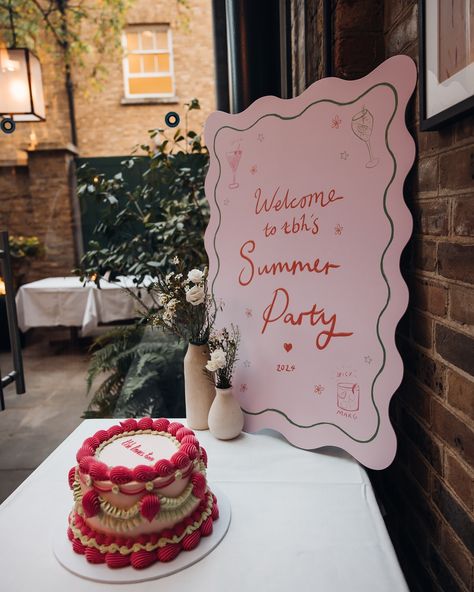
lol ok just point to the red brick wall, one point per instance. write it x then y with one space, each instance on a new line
430 485
428 490
38 200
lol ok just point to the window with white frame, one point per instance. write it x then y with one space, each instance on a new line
148 61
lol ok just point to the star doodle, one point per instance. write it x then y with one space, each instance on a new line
248 313
367 359
243 388
344 155
247 364
318 389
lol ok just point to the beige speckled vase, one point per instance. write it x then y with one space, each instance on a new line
198 387
226 419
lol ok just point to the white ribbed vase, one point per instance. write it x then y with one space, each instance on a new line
198 387
226 419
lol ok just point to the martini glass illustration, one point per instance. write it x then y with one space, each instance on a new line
233 158
362 126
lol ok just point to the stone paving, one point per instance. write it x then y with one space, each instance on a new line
35 423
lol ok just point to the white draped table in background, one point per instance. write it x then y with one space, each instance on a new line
65 301
301 520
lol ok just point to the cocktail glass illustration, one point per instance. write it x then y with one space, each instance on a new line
348 396
233 158
362 126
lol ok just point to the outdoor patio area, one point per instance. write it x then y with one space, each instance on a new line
35 423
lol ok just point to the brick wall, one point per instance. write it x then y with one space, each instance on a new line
105 127
38 200
428 490
35 198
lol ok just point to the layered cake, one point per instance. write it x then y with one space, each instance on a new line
140 494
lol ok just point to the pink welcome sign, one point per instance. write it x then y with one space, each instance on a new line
307 226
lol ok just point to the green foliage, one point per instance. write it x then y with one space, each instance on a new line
65 23
23 247
143 371
141 228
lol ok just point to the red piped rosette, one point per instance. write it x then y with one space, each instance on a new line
94 473
166 546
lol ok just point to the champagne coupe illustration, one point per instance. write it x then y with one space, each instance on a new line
233 158
362 126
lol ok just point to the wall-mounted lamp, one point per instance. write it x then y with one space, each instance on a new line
21 97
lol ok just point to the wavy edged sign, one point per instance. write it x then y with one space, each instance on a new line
307 226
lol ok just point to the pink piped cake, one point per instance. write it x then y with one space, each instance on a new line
140 494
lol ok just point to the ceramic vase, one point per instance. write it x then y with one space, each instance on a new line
226 419
198 387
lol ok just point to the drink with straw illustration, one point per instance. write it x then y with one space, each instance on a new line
233 158
362 126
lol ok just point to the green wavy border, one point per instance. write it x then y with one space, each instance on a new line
284 118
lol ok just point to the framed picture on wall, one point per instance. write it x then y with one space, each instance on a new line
446 35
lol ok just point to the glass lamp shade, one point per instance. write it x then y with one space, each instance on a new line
21 85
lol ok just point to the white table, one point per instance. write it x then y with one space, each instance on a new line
65 301
301 520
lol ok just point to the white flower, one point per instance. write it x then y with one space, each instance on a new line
195 295
195 276
162 299
175 260
168 316
171 305
211 366
218 357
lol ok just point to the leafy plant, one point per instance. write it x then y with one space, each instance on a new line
23 247
141 229
144 374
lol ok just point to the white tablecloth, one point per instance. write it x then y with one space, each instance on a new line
301 520
65 301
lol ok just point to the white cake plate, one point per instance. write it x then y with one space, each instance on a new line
78 564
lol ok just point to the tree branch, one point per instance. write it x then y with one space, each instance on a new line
45 16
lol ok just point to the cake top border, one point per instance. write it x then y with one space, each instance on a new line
188 451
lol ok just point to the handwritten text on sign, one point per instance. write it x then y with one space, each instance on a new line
307 226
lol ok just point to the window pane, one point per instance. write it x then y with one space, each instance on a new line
134 64
161 40
163 60
148 38
149 63
132 41
144 86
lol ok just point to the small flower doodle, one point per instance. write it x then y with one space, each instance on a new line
248 313
247 364
260 137
344 155
336 122
318 389
338 229
253 169
243 388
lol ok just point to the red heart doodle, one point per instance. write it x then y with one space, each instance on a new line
288 346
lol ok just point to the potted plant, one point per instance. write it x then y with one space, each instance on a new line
226 419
